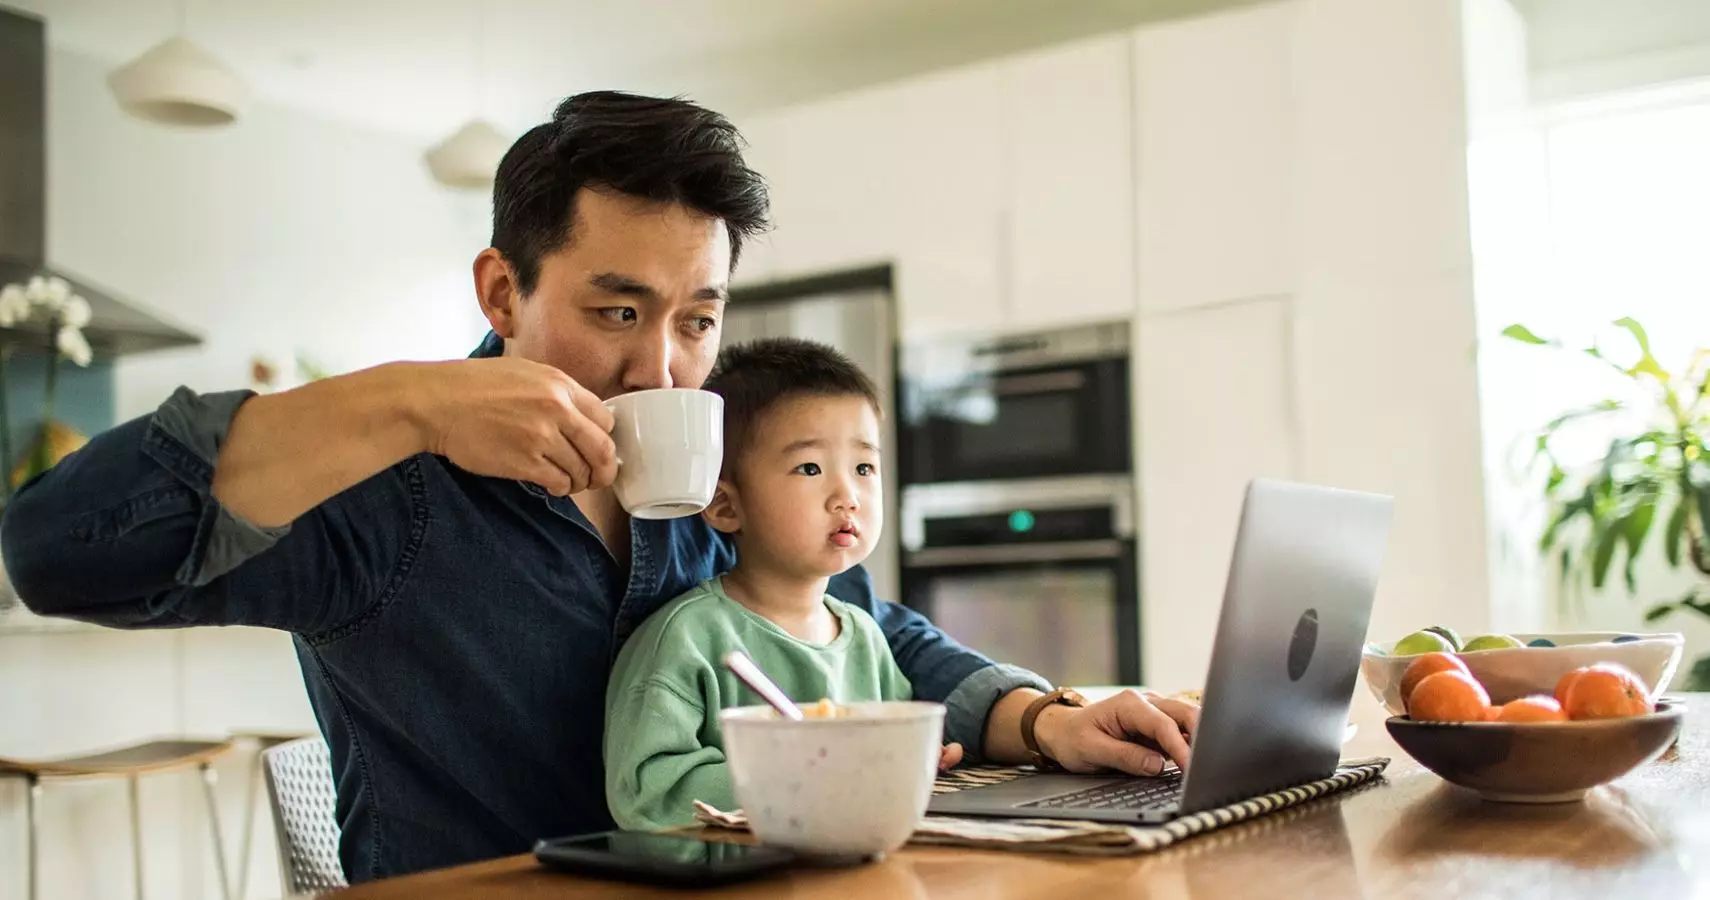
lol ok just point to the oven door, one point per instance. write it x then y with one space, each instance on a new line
1069 612
1020 423
1041 574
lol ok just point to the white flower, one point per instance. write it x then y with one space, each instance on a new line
14 305
73 346
36 289
76 312
58 292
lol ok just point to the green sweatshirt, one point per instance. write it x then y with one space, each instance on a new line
664 747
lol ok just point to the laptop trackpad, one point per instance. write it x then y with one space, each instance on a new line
1003 799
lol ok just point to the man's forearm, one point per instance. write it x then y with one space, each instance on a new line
288 453
1003 741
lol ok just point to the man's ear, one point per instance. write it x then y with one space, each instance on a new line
496 287
725 510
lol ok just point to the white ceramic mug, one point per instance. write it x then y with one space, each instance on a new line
670 445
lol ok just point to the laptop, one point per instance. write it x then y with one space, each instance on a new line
1283 668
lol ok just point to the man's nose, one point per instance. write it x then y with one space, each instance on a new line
648 365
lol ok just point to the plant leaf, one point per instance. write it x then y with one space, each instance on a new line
1699 678
1659 612
1673 532
1603 551
1634 528
1647 363
1522 334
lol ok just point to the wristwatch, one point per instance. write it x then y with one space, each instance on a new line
1063 696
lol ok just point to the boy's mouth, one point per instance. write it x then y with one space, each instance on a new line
846 535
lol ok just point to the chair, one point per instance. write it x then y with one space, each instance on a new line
262 741
300 789
130 763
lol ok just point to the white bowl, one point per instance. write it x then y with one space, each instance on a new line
852 787
1516 672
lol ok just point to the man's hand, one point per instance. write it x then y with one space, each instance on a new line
1114 733
512 418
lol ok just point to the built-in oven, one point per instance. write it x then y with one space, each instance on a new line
1040 573
1017 406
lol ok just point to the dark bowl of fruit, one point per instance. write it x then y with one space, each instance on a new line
1599 725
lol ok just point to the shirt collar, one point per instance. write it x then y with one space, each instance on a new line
492 345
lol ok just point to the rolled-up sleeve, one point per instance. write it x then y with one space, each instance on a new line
185 437
126 532
970 704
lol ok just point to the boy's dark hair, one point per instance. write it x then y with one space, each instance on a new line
667 150
757 376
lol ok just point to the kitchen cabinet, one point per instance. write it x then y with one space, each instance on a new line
946 190
1067 142
1217 407
1215 138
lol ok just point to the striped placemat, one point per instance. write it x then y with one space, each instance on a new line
1089 838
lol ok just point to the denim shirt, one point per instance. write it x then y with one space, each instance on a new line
455 632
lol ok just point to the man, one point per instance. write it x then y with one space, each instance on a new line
440 538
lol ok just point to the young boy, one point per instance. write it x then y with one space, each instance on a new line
801 496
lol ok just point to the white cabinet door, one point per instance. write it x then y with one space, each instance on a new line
946 188
1216 408
820 162
1216 142
1069 183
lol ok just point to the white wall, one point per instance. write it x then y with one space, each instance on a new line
285 233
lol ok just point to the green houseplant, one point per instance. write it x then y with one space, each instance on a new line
1654 478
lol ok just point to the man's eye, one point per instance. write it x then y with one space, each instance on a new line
807 469
704 324
619 314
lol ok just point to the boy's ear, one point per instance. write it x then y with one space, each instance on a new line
724 512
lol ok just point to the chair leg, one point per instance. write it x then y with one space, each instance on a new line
210 778
136 838
248 828
32 813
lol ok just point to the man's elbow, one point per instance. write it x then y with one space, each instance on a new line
27 551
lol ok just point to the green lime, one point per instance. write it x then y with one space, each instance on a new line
1422 642
1491 642
1448 635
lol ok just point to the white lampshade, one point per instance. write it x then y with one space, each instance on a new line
179 83
470 157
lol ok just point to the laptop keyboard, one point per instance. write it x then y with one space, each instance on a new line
1138 793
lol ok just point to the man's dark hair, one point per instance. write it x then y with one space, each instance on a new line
666 150
757 376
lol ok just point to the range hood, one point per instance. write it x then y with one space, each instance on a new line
117 326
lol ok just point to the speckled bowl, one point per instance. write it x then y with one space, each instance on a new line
1516 672
842 789
1537 762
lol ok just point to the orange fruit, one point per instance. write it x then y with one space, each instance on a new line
1491 713
1566 681
1606 691
1428 664
1531 709
1448 696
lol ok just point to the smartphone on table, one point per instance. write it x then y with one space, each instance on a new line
676 860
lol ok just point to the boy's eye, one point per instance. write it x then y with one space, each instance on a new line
866 469
807 469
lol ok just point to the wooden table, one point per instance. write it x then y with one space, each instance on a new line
1410 835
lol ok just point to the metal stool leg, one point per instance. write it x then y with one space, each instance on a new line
248 828
136 838
210 778
32 812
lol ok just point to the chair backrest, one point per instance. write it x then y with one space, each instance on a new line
300 790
